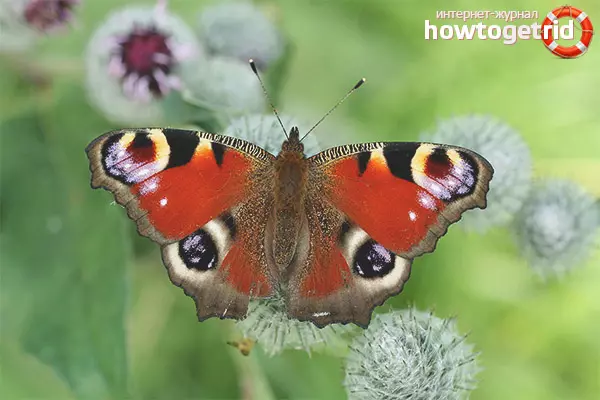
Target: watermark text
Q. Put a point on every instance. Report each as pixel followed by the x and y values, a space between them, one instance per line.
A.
pixel 509 34
pixel 505 15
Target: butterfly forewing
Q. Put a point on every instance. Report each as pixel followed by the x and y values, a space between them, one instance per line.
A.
pixel 204 198
pixel 404 195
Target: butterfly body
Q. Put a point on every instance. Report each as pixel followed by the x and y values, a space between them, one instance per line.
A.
pixel 335 233
pixel 290 189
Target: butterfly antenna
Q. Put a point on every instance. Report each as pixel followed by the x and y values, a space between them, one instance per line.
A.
pixel 253 66
pixel 358 84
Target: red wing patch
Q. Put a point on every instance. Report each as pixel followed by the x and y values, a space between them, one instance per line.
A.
pixel 200 196
pixel 245 266
pixel 174 181
pixel 394 212
pixel 327 272
pixel 178 200
pixel 244 271
pixel 404 195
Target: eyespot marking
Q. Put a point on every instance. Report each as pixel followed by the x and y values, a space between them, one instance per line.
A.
pixel 141 141
pixel 199 251
pixel 372 260
pixel 447 174
pixel 438 164
pixel 132 157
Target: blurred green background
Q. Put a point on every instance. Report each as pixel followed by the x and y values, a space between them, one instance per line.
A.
pixel 88 310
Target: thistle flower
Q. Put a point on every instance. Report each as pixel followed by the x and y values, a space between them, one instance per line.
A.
pixel 46 15
pixel 135 59
pixel 268 324
pixel 241 31
pixel 22 21
pixel 410 355
pixel 557 226
pixel 504 148
pixel 265 131
pixel 227 86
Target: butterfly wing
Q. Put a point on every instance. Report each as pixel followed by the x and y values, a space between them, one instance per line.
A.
pixel 204 198
pixel 371 209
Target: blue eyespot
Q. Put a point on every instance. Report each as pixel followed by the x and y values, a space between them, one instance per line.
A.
pixel 372 260
pixel 198 251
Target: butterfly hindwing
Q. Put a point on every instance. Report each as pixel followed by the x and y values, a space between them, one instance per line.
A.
pixel 222 264
pixel 381 205
pixel 204 198
pixel 345 273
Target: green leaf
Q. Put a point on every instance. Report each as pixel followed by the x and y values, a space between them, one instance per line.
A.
pixel 25 377
pixel 66 250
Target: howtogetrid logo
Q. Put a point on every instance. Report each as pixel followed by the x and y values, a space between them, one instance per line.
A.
pixel 587 31
pixel 548 32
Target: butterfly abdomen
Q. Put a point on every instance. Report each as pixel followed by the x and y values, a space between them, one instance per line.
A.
pixel 290 191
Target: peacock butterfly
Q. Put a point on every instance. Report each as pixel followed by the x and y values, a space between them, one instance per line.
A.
pixel 334 233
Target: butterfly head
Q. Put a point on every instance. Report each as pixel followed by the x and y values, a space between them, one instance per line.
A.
pixel 293 144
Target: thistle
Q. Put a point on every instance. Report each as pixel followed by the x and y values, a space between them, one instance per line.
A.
pixel 504 148
pixel 22 22
pixel 227 87
pixel 410 355
pixel 47 15
pixel 241 31
pixel 268 324
pixel 557 227
pixel 135 59
pixel 265 131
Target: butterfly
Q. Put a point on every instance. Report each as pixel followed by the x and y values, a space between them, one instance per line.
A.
pixel 334 234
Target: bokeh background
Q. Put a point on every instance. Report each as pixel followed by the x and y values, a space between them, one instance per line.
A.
pixel 88 310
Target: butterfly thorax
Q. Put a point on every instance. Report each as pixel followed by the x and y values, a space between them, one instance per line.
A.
pixel 291 171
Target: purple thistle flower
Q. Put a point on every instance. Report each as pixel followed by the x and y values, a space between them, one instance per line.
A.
pixel 23 22
pixel 47 15
pixel 144 60
pixel 136 58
